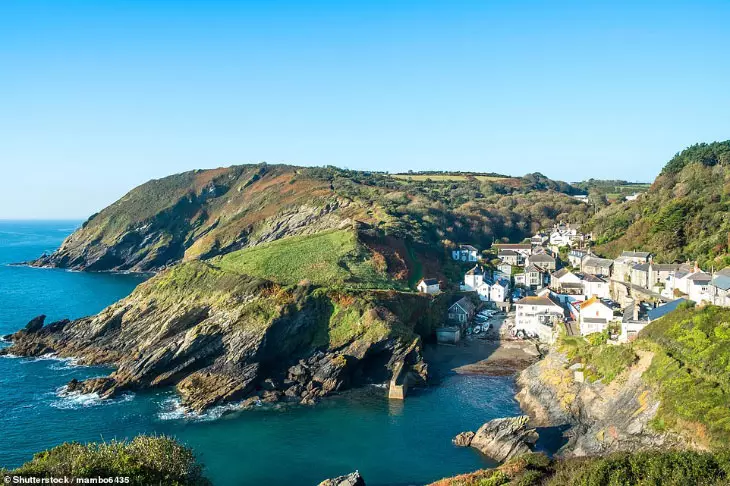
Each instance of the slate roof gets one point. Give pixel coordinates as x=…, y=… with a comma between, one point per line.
x=477, y=270
x=593, y=278
x=594, y=261
x=665, y=309
x=641, y=267
x=467, y=247
x=465, y=304
x=430, y=281
x=542, y=258
x=700, y=277
x=721, y=281
x=507, y=252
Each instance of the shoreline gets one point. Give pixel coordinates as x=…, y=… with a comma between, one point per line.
x=29, y=264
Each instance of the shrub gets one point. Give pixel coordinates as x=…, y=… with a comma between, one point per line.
x=145, y=460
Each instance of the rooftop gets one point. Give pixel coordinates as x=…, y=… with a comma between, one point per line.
x=665, y=309
x=539, y=301
x=513, y=246
x=636, y=254
x=430, y=281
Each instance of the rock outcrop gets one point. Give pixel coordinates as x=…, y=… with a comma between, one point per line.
x=220, y=338
x=501, y=439
x=601, y=418
x=352, y=479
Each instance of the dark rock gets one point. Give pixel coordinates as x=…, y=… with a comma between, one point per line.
x=352, y=479
x=35, y=324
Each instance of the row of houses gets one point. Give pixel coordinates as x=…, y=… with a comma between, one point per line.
x=540, y=316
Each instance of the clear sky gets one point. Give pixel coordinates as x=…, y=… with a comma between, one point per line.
x=97, y=97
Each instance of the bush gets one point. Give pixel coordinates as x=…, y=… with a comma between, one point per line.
x=145, y=460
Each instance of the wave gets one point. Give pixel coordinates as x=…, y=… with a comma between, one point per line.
x=77, y=400
x=172, y=409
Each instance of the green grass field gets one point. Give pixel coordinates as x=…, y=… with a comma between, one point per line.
x=446, y=177
x=332, y=259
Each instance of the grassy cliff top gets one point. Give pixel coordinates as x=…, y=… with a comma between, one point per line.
x=333, y=258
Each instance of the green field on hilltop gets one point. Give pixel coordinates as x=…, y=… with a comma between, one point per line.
x=331, y=258
x=447, y=177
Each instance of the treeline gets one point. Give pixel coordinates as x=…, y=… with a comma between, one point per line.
x=682, y=217
x=459, y=211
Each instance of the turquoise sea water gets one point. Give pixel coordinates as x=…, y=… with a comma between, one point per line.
x=391, y=443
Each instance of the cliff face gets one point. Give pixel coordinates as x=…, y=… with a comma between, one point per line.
x=602, y=418
x=219, y=336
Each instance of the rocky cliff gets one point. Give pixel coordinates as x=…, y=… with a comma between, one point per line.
x=220, y=336
x=602, y=418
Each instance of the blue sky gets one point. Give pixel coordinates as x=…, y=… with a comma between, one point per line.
x=97, y=97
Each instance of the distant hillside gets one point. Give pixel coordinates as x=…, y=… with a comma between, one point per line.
x=684, y=215
x=204, y=213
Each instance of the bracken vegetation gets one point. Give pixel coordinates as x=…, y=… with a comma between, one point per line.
x=145, y=460
x=674, y=468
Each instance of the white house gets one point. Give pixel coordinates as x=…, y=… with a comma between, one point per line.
x=511, y=257
x=429, y=286
x=484, y=290
x=473, y=278
x=538, y=317
x=539, y=239
x=465, y=253
x=595, y=316
x=499, y=291
x=565, y=281
x=505, y=269
x=695, y=285
x=595, y=286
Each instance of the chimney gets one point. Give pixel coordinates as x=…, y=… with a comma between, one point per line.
x=637, y=306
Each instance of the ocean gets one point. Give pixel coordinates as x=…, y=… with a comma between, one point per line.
x=390, y=443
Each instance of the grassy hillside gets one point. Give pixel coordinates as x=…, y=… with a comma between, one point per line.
x=675, y=468
x=201, y=214
x=332, y=258
x=682, y=216
x=691, y=370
